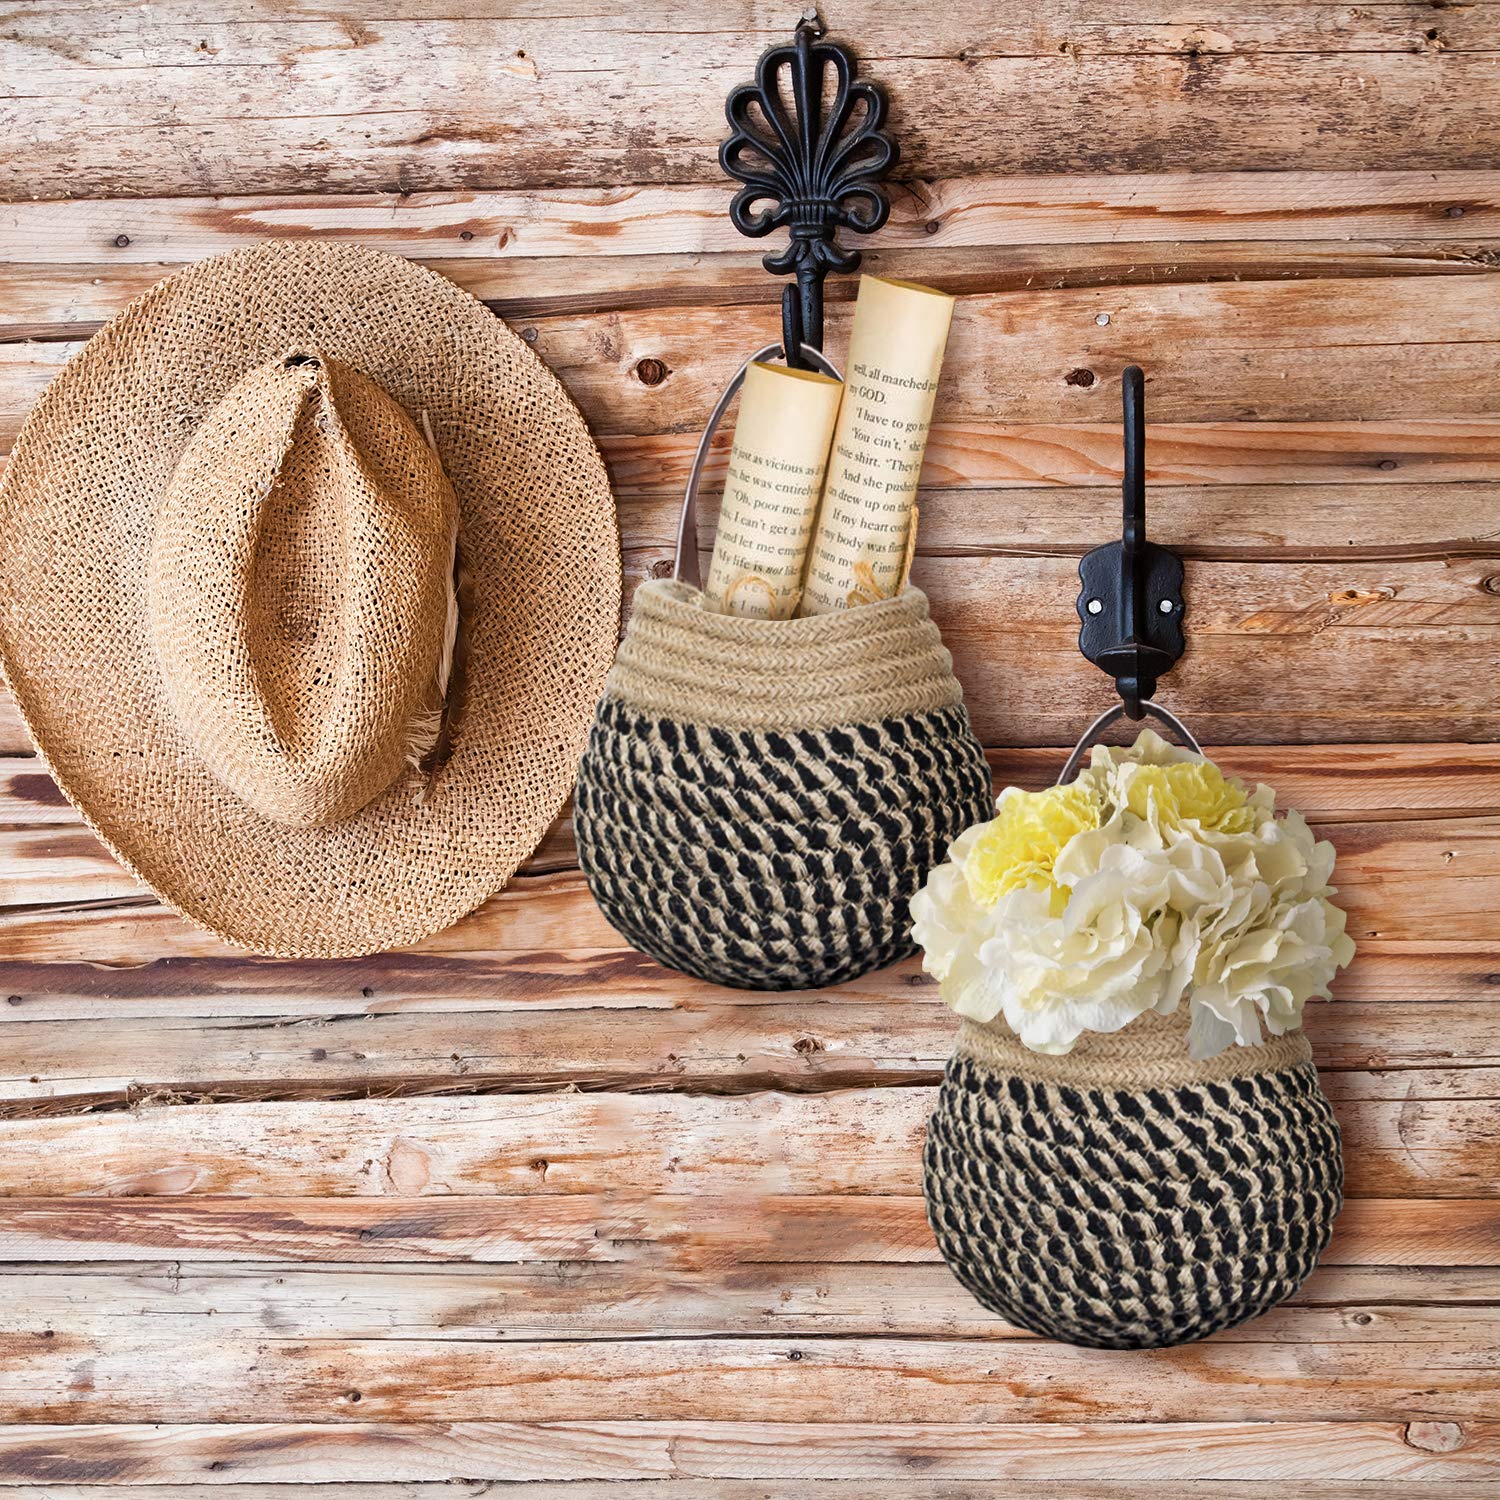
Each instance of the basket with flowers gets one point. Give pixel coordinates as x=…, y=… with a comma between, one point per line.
x=1131, y=1147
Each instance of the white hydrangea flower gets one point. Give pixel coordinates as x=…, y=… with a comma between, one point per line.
x=1150, y=879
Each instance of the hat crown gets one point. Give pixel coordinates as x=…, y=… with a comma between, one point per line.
x=299, y=588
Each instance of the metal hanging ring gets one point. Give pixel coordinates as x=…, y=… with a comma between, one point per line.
x=1108, y=717
x=686, y=567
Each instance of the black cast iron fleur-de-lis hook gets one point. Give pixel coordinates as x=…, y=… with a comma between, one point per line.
x=814, y=168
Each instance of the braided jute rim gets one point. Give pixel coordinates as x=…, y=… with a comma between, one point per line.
x=685, y=661
x=539, y=608
x=1150, y=1052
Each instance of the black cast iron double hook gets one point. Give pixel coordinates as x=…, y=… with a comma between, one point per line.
x=1131, y=602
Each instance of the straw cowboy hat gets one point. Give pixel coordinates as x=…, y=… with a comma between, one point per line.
x=309, y=581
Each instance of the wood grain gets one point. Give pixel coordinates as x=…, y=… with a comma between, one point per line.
x=600, y=980
x=73, y=245
x=1412, y=1139
x=1427, y=884
x=794, y=1489
x=663, y=1232
x=56, y=859
x=120, y=107
x=812, y=1047
x=1417, y=1453
x=1390, y=649
x=612, y=1300
x=1328, y=783
x=709, y=1379
x=1289, y=351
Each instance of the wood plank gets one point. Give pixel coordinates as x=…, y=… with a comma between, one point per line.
x=1216, y=521
x=72, y=246
x=1008, y=457
x=50, y=1068
x=554, y=915
x=1414, y=1452
x=112, y=107
x=1324, y=350
x=1327, y=783
x=796, y=1489
x=1032, y=468
x=68, y=1377
x=1392, y=25
x=1384, y=976
x=51, y=856
x=1392, y=649
x=666, y=1232
x=1352, y=520
x=611, y=1301
x=1428, y=882
x=71, y=301
x=1319, y=350
x=1419, y=1144
x=1330, y=784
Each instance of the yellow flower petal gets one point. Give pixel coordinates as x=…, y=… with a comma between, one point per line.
x=1194, y=790
x=1020, y=846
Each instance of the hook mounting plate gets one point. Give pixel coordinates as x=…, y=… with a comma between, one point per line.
x=1131, y=602
x=1134, y=658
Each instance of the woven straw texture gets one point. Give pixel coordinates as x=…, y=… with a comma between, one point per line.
x=82, y=510
x=1124, y=1197
x=685, y=661
x=780, y=854
x=297, y=589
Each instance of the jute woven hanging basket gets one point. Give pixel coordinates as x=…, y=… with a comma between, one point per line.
x=760, y=799
x=1125, y=1196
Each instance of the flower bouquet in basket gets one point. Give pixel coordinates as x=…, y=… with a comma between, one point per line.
x=1131, y=1147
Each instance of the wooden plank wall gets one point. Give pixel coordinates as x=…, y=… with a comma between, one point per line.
x=521, y=1207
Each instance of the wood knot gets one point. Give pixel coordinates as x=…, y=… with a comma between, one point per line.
x=1434, y=1437
x=1080, y=377
x=651, y=371
x=1355, y=598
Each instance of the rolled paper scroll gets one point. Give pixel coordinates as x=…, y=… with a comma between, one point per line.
x=776, y=471
x=866, y=527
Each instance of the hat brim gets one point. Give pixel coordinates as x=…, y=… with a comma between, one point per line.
x=539, y=544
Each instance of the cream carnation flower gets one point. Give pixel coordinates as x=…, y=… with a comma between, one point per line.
x=1151, y=878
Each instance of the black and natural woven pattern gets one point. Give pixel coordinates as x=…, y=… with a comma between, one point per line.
x=772, y=859
x=1132, y=1218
